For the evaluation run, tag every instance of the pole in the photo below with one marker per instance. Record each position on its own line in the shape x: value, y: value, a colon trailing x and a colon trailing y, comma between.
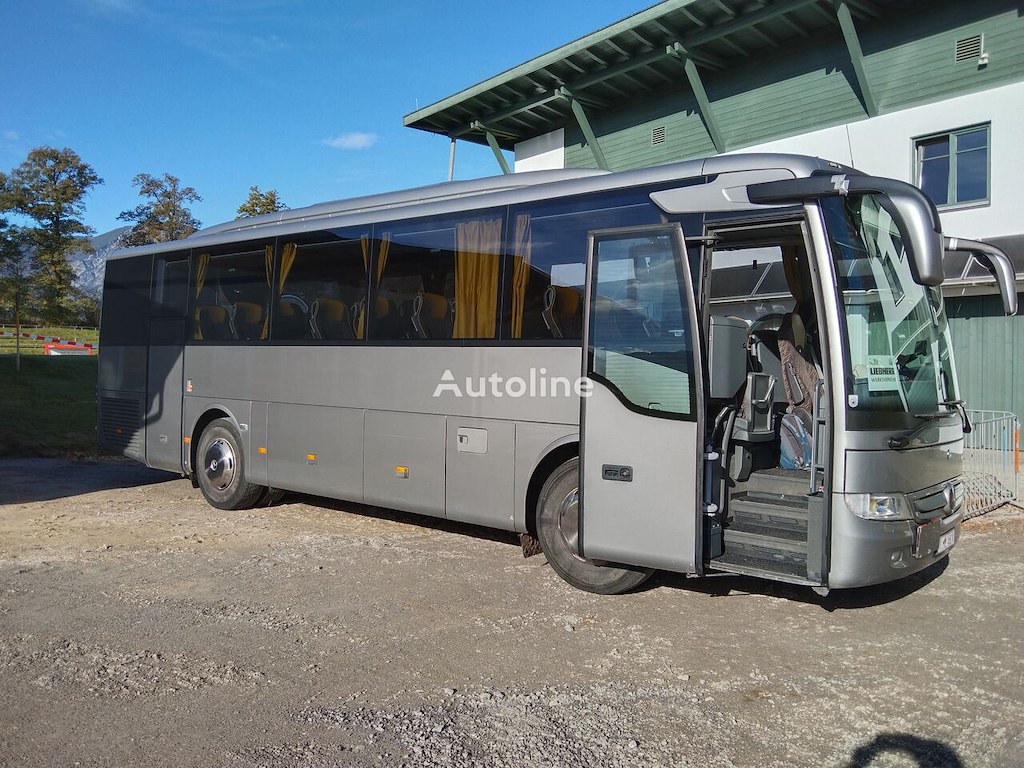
x: 451, y: 160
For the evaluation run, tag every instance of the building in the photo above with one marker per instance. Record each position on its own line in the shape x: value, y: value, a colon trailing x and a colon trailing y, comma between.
x: 928, y: 91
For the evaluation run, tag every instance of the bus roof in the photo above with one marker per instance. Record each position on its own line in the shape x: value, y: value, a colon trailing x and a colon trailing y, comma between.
x: 488, y: 192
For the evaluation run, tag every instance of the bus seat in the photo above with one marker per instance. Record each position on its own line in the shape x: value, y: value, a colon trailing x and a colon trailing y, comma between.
x: 246, y: 320
x: 562, y: 312
x: 799, y: 373
x: 290, y: 321
x: 431, y: 316
x: 213, y: 322
x: 329, y: 320
x: 386, y: 322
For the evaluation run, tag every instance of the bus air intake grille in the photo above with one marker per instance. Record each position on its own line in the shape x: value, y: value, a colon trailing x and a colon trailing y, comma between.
x: 939, y: 500
x: 120, y: 428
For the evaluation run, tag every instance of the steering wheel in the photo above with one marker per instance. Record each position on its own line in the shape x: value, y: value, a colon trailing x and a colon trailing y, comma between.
x: 770, y: 322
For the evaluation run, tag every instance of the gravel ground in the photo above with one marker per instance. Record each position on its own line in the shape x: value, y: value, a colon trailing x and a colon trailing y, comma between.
x: 139, y: 626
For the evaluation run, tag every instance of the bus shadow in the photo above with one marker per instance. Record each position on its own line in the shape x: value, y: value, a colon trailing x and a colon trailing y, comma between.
x: 926, y: 753
x: 730, y: 585
x: 410, y: 518
x: 30, y: 479
x: 716, y: 585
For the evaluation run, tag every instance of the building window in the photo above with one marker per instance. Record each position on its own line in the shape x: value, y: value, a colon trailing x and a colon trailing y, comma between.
x: 953, y: 168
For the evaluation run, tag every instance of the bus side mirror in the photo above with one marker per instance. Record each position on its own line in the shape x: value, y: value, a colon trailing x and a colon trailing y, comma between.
x: 996, y: 263
x: 918, y: 226
x: 913, y: 212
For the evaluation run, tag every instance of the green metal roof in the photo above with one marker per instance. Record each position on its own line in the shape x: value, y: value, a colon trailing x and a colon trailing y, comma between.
x: 641, y: 56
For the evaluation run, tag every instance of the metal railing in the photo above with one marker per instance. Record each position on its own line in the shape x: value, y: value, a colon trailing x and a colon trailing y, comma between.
x: 991, y: 461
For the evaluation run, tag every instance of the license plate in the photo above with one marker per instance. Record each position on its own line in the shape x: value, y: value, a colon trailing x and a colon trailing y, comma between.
x: 946, y: 541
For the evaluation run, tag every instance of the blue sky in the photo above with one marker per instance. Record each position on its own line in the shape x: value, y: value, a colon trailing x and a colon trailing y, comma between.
x: 304, y: 97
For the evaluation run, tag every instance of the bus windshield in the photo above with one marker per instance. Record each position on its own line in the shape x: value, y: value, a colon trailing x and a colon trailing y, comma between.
x: 898, y: 355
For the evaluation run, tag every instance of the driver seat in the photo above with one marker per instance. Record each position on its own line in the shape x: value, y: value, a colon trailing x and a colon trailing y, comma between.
x: 799, y: 373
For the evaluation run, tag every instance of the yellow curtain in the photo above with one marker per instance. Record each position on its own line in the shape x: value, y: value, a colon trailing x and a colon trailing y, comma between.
x: 382, y: 255
x: 201, y: 266
x: 364, y: 243
x: 521, y: 271
x: 288, y: 254
x: 268, y: 259
x: 477, y: 244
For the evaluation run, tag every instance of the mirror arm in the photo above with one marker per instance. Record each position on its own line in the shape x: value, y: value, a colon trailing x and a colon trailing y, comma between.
x: 996, y: 263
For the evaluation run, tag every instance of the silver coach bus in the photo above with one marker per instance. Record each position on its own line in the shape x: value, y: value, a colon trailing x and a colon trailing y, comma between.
x: 738, y: 364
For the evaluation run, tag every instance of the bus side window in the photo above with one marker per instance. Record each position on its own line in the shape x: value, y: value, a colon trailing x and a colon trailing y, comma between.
x: 170, y: 284
x: 437, y: 278
x: 232, y: 295
x: 322, y: 286
x: 546, y: 257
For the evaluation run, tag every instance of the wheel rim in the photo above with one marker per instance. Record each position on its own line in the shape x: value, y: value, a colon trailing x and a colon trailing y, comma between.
x: 569, y: 522
x: 219, y: 464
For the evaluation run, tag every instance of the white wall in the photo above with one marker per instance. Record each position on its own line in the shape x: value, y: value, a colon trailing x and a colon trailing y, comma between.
x: 541, y: 153
x: 884, y: 146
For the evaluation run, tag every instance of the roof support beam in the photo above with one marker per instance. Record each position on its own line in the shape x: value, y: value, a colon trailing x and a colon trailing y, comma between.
x: 493, y: 143
x: 588, y: 131
x: 609, y: 71
x: 701, y: 95
x: 845, y: 18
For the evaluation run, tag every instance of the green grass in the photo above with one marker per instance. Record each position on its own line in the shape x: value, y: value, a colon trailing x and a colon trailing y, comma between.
x: 49, y: 407
x: 7, y: 344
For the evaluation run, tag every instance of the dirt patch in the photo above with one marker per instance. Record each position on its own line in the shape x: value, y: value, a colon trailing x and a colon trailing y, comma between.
x: 140, y: 626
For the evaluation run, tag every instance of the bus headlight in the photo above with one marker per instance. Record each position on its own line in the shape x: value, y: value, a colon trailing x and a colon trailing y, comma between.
x: 879, y: 506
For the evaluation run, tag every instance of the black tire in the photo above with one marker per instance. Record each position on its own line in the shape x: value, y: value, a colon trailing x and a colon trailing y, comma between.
x: 556, y: 533
x: 220, y: 468
x: 269, y: 497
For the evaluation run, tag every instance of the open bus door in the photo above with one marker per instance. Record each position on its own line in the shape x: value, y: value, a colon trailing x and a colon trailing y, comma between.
x: 641, y: 426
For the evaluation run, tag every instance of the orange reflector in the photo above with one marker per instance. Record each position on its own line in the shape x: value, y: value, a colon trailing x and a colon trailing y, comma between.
x: 187, y: 439
x: 262, y: 450
x: 310, y: 457
x: 401, y: 471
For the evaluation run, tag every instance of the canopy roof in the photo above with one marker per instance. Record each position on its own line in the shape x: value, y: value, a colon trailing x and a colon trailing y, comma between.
x: 640, y: 56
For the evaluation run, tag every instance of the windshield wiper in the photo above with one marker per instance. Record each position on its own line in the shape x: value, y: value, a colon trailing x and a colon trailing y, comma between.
x: 962, y: 410
x: 899, y: 442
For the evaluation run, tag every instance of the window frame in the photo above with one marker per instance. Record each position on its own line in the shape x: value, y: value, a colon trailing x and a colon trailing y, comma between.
x: 951, y: 175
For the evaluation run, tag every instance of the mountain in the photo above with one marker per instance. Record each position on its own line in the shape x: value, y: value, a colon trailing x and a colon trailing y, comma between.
x: 89, y: 267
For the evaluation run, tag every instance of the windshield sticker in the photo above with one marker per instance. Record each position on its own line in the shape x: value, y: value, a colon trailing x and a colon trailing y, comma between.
x: 881, y: 374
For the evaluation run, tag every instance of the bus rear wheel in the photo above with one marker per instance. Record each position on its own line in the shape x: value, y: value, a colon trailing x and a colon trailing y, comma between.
x: 558, y: 532
x: 220, y: 470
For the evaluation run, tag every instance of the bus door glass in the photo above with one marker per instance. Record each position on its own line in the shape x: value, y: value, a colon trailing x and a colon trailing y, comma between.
x: 640, y: 430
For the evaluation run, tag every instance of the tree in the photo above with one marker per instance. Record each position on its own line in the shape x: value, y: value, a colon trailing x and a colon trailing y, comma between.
x: 165, y: 216
x: 49, y: 188
x: 259, y: 203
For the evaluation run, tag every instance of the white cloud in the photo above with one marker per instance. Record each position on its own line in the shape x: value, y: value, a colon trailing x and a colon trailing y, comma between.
x: 11, y: 135
x: 352, y: 140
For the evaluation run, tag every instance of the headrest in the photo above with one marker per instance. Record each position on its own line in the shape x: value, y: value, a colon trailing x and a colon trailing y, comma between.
x: 330, y: 309
x: 792, y: 328
x: 434, y: 305
x: 214, y: 313
x: 567, y: 300
x: 248, y: 312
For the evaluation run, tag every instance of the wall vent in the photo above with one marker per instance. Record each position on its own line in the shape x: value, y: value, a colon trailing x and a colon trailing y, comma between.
x: 968, y: 49
x: 658, y: 135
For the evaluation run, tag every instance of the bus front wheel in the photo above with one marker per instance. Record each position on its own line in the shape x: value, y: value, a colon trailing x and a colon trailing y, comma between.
x: 220, y: 469
x: 558, y: 532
